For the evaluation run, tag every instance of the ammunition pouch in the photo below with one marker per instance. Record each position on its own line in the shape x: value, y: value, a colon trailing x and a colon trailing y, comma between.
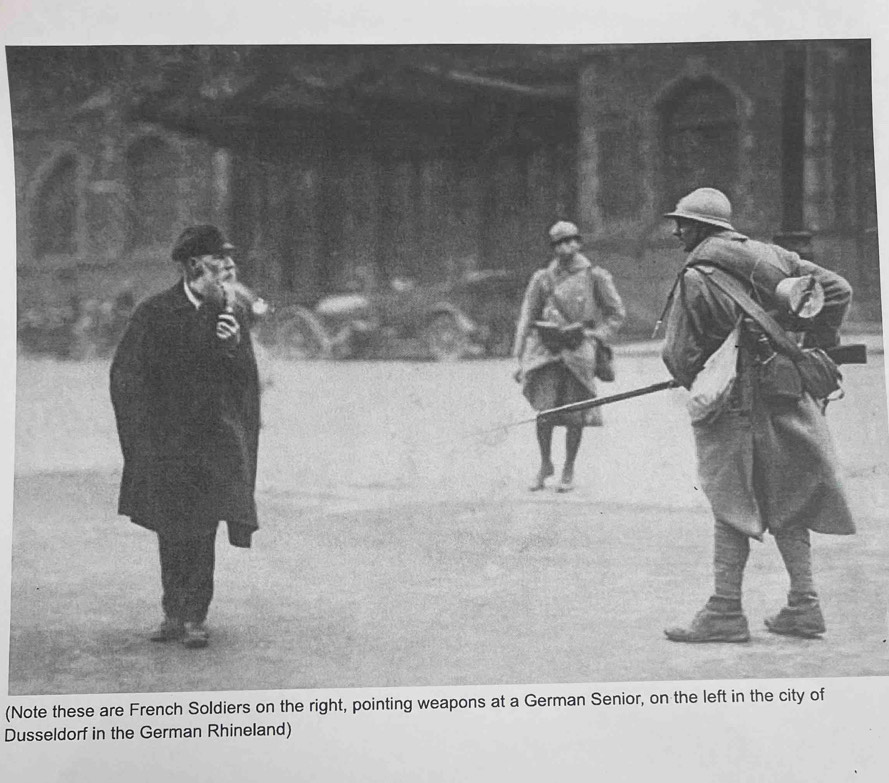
x: 779, y: 379
x: 572, y: 340
x: 604, y: 362
x: 820, y: 375
x: 552, y: 342
x: 783, y: 379
x: 557, y: 339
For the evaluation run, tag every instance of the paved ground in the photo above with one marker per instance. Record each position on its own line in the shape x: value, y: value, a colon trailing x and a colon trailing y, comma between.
x: 400, y: 547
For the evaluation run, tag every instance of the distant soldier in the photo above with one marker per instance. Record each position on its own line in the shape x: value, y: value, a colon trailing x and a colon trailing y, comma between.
x: 186, y: 398
x: 766, y: 461
x: 569, y: 316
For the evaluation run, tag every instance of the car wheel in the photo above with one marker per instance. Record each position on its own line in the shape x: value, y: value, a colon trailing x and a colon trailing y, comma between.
x: 502, y: 334
x: 295, y: 333
x: 445, y: 339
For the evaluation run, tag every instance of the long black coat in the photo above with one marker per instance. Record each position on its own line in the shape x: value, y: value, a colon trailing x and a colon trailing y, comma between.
x: 187, y: 410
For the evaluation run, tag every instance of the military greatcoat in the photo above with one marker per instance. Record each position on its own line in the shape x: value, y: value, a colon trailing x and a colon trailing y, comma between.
x: 763, y: 465
x: 580, y: 293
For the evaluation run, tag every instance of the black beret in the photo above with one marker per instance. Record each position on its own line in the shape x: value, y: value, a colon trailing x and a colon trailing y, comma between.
x: 200, y: 240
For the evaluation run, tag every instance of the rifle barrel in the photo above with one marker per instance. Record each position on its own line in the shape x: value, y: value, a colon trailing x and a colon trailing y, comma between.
x: 596, y: 402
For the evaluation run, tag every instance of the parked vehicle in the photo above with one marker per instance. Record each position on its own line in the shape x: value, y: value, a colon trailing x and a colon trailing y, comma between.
x: 472, y: 316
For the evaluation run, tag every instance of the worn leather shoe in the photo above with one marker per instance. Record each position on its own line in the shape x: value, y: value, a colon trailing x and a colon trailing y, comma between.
x: 804, y: 621
x: 196, y: 636
x: 709, y: 625
x: 170, y: 630
x: 546, y: 470
x: 567, y: 482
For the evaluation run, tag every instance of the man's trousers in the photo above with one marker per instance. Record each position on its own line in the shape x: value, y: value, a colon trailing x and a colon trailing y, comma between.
x: 187, y: 566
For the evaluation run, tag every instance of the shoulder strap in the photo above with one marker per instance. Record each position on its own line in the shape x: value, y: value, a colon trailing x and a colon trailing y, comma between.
x: 552, y: 290
x: 551, y: 294
x: 730, y: 286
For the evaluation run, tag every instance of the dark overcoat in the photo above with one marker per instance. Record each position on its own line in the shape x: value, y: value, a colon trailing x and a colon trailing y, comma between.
x: 187, y: 411
x: 762, y: 465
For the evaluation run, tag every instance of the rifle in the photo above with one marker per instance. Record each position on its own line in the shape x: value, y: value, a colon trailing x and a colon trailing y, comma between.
x: 596, y: 402
x: 855, y: 353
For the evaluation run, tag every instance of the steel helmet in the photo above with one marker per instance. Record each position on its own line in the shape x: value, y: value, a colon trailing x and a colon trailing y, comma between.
x: 706, y: 205
x: 563, y: 230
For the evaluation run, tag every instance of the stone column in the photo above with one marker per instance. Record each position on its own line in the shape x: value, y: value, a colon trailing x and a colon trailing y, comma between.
x: 221, y: 187
x: 108, y: 207
x: 589, y: 214
x: 794, y: 235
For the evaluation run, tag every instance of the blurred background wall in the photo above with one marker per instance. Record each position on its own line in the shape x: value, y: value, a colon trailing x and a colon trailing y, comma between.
x: 329, y: 165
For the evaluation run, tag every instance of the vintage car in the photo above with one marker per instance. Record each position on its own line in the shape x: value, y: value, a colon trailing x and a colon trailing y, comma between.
x: 472, y: 316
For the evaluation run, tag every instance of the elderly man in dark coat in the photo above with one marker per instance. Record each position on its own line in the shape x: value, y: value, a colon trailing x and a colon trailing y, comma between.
x: 186, y: 398
x: 765, y: 463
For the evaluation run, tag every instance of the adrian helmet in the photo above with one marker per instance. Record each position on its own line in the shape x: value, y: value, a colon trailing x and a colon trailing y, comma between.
x: 563, y: 230
x: 705, y: 205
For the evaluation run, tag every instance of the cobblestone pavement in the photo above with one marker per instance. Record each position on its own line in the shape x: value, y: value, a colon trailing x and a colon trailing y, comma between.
x: 399, y: 545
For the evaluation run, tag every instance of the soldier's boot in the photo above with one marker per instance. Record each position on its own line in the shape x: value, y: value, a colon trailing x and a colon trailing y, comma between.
x: 800, y: 617
x: 546, y: 470
x: 721, y: 620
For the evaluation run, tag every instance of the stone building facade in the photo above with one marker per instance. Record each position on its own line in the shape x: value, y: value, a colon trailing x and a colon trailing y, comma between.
x: 326, y: 162
x: 785, y: 129
x: 100, y: 196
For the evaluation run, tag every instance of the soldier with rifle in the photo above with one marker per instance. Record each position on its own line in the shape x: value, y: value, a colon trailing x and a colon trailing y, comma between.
x: 570, y: 313
x: 765, y: 459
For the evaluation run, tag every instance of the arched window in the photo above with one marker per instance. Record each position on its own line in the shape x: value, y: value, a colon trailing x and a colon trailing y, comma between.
x: 700, y: 137
x: 151, y: 177
x: 55, y: 220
